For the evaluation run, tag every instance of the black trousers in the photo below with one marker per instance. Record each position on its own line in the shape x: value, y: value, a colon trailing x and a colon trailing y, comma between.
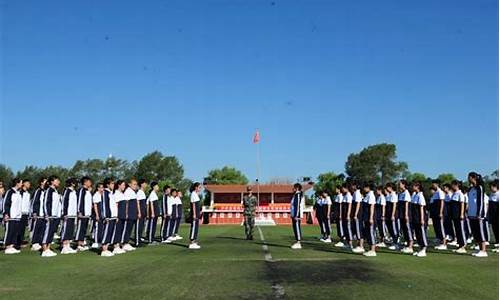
x: 127, y: 231
x: 165, y: 228
x: 369, y: 233
x: 119, y: 231
x: 11, y: 232
x: 407, y: 230
x: 38, y: 230
x: 347, y: 229
x: 98, y: 231
x: 493, y: 218
x: 195, y: 224
x: 340, y: 228
x: 478, y: 229
x: 460, y: 231
x: 325, y: 226
x: 139, y: 230
x: 297, y: 230
x: 357, y: 228
x: 381, y: 229
x: 439, y: 228
x: 23, y: 223
x: 81, y: 229
x: 421, y: 234
x: 50, y: 229
x: 392, y: 226
x: 151, y: 228
x: 448, y: 222
x: 68, y: 229
x: 109, y: 231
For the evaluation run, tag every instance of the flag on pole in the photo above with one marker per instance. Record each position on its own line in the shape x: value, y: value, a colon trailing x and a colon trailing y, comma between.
x: 256, y: 137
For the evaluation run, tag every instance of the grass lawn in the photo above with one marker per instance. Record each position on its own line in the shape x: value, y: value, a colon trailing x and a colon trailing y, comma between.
x: 229, y: 267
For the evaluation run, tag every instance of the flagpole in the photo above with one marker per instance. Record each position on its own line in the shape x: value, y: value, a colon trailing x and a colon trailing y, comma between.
x: 258, y: 175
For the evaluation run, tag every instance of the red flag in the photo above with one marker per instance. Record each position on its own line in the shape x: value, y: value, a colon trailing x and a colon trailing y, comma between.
x: 256, y: 137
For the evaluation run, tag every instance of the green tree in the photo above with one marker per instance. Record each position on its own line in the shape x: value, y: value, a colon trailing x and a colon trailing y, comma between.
x: 6, y: 175
x: 411, y: 177
x: 446, y: 178
x: 156, y: 166
x: 328, y: 181
x: 226, y: 175
x: 93, y: 168
x: 375, y: 163
x: 30, y: 173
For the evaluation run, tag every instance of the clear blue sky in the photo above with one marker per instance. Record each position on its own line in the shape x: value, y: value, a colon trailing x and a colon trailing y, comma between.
x: 321, y: 79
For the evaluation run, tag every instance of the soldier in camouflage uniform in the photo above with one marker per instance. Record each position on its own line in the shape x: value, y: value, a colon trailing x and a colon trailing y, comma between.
x: 249, y: 207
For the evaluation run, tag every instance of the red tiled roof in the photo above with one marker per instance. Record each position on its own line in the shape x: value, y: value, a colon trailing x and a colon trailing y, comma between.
x: 264, y: 188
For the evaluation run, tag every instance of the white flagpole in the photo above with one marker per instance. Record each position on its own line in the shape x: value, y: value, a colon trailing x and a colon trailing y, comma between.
x: 258, y: 174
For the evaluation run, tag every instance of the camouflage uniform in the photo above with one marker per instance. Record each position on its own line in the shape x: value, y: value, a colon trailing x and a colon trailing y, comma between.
x: 249, y: 207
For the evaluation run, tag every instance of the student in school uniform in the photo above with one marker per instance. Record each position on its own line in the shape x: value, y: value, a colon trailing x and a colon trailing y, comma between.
x: 132, y: 214
x: 52, y: 213
x: 98, y: 231
x: 178, y: 215
x: 141, y: 209
x: 109, y: 215
x: 164, y: 212
x: 84, y: 196
x: 68, y: 216
x: 346, y: 208
x: 169, y: 220
x: 326, y: 210
x: 391, y: 219
x: 121, y: 203
x: 404, y: 202
x: 458, y: 215
x: 318, y: 207
x: 296, y: 214
x: 368, y: 219
x: 493, y: 211
x: 468, y: 230
x: 12, y: 214
x: 37, y: 216
x: 152, y: 213
x: 25, y: 210
x: 477, y: 212
x: 448, y: 223
x: 195, y: 215
x: 356, y: 216
x: 337, y: 208
x: 419, y: 218
x: 380, y: 213
x: 437, y: 212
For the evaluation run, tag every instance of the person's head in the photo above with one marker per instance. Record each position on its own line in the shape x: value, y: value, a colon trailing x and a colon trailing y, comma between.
x: 417, y: 186
x: 379, y: 190
x: 173, y: 193
x: 446, y: 187
x: 353, y: 186
x: 435, y: 184
x: 179, y: 194
x: 249, y: 190
x: 403, y: 185
x: 196, y: 187
x: 154, y: 185
x: 475, y: 179
x: 42, y: 182
x: 456, y: 185
x: 494, y: 186
x: 70, y: 183
x: 297, y: 187
x: 324, y: 194
x: 345, y: 188
x: 109, y: 184
x: 100, y: 188
x: 166, y: 190
x: 432, y: 189
x: 17, y: 183
x: 133, y: 184
x: 54, y: 181
x: 142, y: 184
x: 26, y: 184
x: 367, y: 187
x: 389, y: 187
x: 86, y: 182
x: 120, y: 185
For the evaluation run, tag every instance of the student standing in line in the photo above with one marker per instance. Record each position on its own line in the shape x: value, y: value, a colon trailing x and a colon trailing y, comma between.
x: 109, y: 216
x: 337, y: 208
x: 142, y: 212
x: 368, y: 218
x: 132, y: 214
x: 175, y: 217
x: 476, y: 212
x: 318, y: 211
x: 380, y: 213
x: 448, y: 223
x: 164, y: 210
x: 52, y: 213
x: 97, y: 216
x: 356, y: 216
x: 493, y: 211
x: 195, y: 215
x: 169, y: 219
x: 458, y: 215
x: 468, y: 230
x: 419, y: 218
x: 12, y: 213
x: 437, y: 210
x: 153, y: 211
x: 346, y: 215
x: 119, y: 199
x: 179, y: 209
x: 25, y: 210
x: 391, y: 219
x: 68, y: 215
x: 327, y: 210
x: 404, y: 201
x: 37, y: 216
x: 84, y: 195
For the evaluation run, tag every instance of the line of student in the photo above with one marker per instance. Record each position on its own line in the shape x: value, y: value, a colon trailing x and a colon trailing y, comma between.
x: 459, y: 216
x: 112, y: 212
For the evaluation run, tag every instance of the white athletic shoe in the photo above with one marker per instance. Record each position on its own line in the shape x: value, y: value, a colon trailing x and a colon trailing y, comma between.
x: 327, y: 241
x: 82, y: 248
x: 95, y: 246
x: 339, y: 245
x: 128, y: 247
x: 441, y: 247
x: 453, y: 243
x: 480, y: 254
x: 381, y: 245
x: 177, y: 237
x: 460, y: 251
x: 194, y: 246
x: 476, y: 247
x: 297, y: 245
x: 56, y: 236
x: 421, y: 253
x: 494, y: 250
x: 11, y: 250
x: 407, y: 250
x: 469, y: 241
x: 487, y: 243
x: 36, y: 247
x: 107, y: 253
x: 169, y: 240
x: 370, y: 253
x: 48, y: 253
x: 68, y: 250
x: 358, y: 249
x: 393, y: 247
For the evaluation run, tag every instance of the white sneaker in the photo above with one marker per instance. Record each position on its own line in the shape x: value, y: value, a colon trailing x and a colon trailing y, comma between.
x: 48, y: 253
x: 480, y: 254
x: 460, y: 251
x: 178, y: 237
x: 169, y: 240
x: 118, y: 251
x: 107, y: 253
x: 475, y: 247
x: 487, y: 243
x: 453, y: 243
x: 407, y: 250
x: 441, y: 247
x: 358, y: 249
x: 82, y: 248
x: 381, y: 245
x: 370, y: 253
x: 421, y: 253
x: 56, y: 236
x: 68, y: 250
x: 327, y: 241
x: 128, y: 247
x: 194, y: 246
x: 297, y: 245
x: 11, y: 250
x: 36, y: 247
x: 339, y: 245
x: 95, y: 246
x: 494, y: 250
x: 393, y: 247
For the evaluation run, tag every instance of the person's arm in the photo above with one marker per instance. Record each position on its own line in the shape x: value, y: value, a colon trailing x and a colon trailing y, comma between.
x: 372, y: 208
x: 340, y: 211
x: 80, y: 202
x: 422, y: 214
x: 96, y: 211
x: 349, y: 209
x: 126, y: 209
x: 139, y: 215
x: 329, y: 211
x: 6, y: 205
x: 406, y: 211
x: 65, y: 203
x: 393, y: 213
x: 462, y: 210
x: 356, y: 210
x: 383, y: 211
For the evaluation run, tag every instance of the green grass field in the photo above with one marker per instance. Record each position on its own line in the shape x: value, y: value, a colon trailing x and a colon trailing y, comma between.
x: 229, y: 267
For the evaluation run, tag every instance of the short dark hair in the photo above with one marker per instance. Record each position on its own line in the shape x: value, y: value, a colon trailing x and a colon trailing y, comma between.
x: 153, y: 183
x: 494, y: 183
x: 194, y: 186
x: 165, y: 188
x: 391, y: 185
x: 404, y: 182
x: 107, y: 181
x: 141, y: 181
x: 298, y: 186
x: 85, y: 179
x: 52, y: 178
x: 16, y: 181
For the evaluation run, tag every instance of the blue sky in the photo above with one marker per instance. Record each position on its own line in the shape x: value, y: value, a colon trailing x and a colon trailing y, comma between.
x: 320, y: 79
